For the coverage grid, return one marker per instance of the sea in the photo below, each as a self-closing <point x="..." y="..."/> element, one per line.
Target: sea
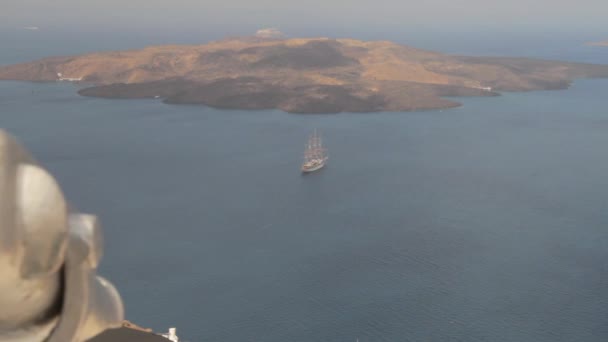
<point x="487" y="222"/>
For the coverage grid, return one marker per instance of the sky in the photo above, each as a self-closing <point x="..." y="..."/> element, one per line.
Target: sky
<point x="236" y="16"/>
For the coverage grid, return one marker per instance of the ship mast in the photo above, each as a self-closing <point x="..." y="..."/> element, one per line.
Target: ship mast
<point x="314" y="148"/>
<point x="317" y="145"/>
<point x="309" y="150"/>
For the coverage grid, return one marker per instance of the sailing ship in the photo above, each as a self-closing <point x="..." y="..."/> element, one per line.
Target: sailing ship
<point x="315" y="155"/>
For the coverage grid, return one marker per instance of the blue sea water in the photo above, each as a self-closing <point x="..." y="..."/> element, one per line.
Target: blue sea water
<point x="487" y="222"/>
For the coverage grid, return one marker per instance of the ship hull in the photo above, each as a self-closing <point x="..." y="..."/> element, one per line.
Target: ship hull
<point x="314" y="168"/>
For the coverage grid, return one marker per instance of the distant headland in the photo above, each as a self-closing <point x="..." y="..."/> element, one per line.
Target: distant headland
<point x="603" y="43"/>
<point x="308" y="75"/>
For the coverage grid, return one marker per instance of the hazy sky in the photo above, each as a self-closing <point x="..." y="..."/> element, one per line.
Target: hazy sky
<point x="236" y="15"/>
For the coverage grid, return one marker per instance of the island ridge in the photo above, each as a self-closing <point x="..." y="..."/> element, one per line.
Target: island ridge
<point x="311" y="75"/>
